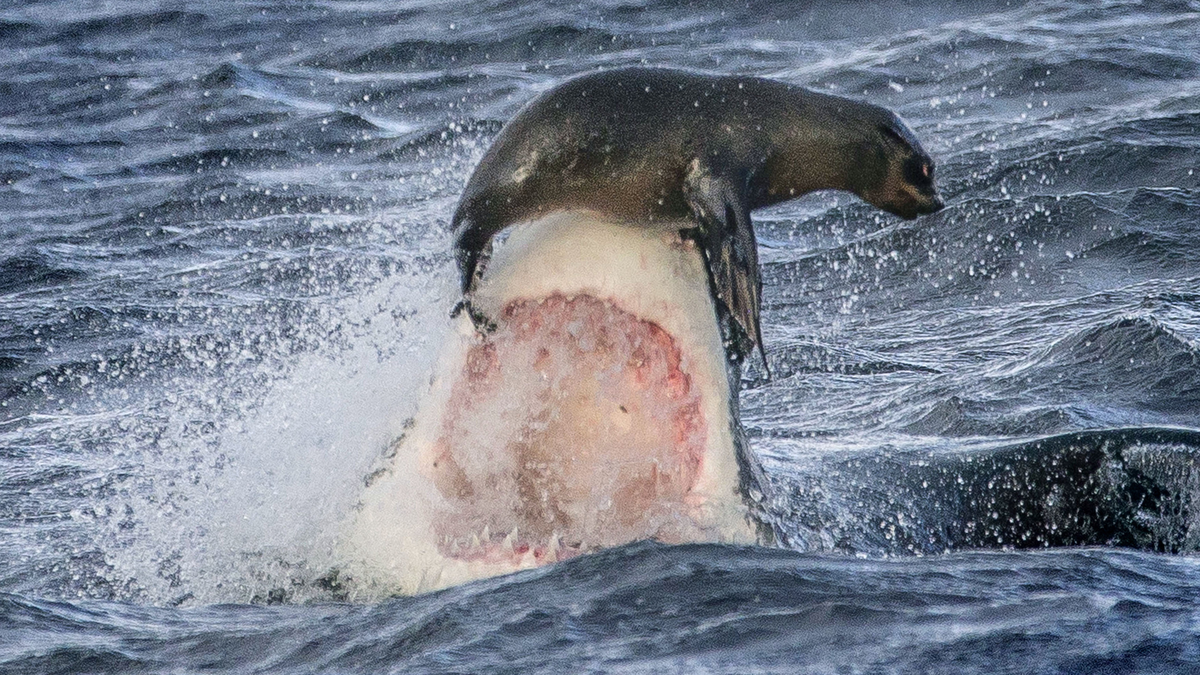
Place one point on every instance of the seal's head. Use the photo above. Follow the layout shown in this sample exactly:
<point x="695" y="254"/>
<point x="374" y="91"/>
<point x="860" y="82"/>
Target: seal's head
<point x="901" y="179"/>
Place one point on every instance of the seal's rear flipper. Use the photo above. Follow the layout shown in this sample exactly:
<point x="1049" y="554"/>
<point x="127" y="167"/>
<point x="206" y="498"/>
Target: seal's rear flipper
<point x="730" y="250"/>
<point x="482" y="323"/>
<point x="472" y="249"/>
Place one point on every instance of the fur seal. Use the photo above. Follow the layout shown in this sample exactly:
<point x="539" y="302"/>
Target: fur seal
<point x="650" y="145"/>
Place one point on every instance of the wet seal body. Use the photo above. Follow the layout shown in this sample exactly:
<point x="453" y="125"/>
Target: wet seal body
<point x="649" y="145"/>
<point x="588" y="397"/>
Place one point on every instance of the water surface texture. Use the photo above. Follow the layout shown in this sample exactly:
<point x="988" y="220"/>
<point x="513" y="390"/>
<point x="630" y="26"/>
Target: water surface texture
<point x="225" y="263"/>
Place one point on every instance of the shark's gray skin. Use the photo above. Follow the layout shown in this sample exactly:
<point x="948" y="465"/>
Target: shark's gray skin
<point x="656" y="144"/>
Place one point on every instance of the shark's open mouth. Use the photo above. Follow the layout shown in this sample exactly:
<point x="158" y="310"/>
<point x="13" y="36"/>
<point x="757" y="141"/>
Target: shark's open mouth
<point x="596" y="413"/>
<point x="573" y="426"/>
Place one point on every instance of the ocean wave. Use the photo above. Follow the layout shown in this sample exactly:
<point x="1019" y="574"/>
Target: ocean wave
<point x="679" y="609"/>
<point x="472" y="47"/>
<point x="122" y="24"/>
<point x="963" y="417"/>
<point x="1132" y="487"/>
<point x="33" y="270"/>
<point x="795" y="358"/>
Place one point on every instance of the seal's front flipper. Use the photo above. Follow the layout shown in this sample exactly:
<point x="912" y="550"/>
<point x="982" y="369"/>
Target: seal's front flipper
<point x="730" y="250"/>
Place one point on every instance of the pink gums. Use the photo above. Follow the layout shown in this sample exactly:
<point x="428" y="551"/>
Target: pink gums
<point x="572" y="426"/>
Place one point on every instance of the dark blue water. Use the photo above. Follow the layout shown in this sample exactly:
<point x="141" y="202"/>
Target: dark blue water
<point x="225" y="249"/>
<point x="650" y="608"/>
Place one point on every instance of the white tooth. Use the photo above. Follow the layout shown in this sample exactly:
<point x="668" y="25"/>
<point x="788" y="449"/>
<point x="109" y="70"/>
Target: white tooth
<point x="475" y="541"/>
<point x="487" y="534"/>
<point x="508" y="541"/>
<point x="552" y="549"/>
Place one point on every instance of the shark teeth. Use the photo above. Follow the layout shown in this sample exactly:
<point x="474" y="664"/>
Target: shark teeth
<point x="552" y="549"/>
<point x="483" y="546"/>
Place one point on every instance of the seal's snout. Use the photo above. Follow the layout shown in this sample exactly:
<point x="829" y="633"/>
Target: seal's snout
<point x="935" y="204"/>
<point x="909" y="203"/>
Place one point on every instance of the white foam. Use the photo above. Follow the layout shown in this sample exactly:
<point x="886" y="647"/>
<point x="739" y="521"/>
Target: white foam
<point x="264" y="504"/>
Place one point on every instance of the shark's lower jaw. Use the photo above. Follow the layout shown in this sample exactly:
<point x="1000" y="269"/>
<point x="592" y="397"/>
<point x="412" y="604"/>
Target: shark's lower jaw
<point x="597" y="435"/>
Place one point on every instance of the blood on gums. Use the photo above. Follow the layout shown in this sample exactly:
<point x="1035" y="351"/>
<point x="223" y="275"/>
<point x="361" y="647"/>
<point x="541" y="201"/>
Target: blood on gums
<point x="557" y="361"/>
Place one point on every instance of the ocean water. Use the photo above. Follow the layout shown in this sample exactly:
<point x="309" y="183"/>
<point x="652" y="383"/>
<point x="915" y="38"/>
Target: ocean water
<point x="226" y="255"/>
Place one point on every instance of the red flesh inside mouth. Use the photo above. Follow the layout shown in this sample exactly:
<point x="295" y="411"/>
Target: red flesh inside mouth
<point x="573" y="426"/>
